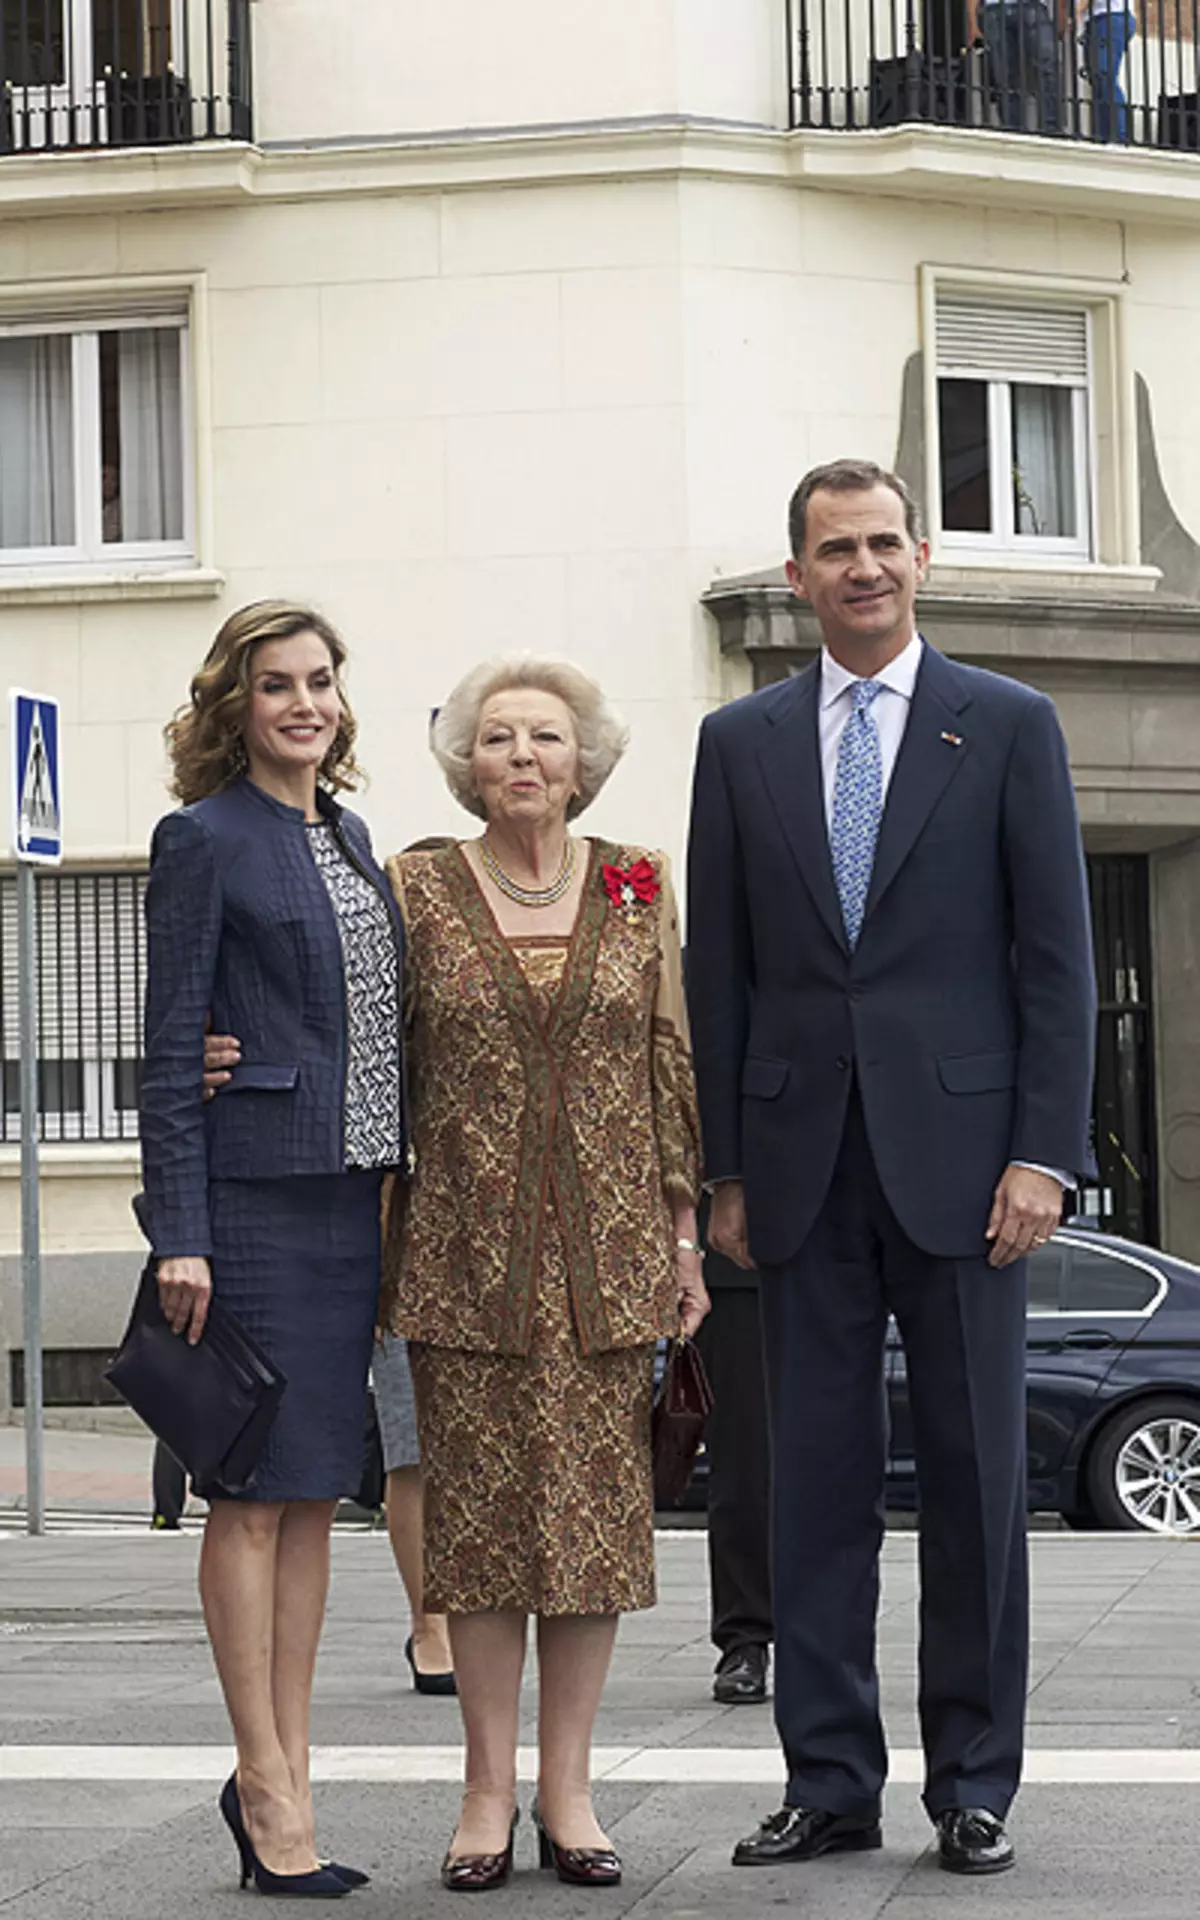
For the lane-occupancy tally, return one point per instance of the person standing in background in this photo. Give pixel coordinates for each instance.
(1106, 29)
(427, 1648)
(1021, 41)
(168, 1486)
(737, 1448)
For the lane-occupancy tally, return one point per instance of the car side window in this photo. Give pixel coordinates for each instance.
(1045, 1279)
(1098, 1282)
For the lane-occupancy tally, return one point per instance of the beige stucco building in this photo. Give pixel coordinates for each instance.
(495, 328)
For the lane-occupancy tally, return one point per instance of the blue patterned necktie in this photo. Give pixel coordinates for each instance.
(857, 807)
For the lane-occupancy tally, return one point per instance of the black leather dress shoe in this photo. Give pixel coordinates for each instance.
(801, 1833)
(741, 1677)
(972, 1840)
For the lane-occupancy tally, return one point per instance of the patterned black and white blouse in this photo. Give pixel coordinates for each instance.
(373, 1127)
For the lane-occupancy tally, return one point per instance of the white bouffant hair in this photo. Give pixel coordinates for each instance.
(601, 733)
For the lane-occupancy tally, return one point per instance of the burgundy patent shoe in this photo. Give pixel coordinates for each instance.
(479, 1872)
(577, 1866)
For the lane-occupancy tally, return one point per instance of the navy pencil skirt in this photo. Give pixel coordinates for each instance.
(297, 1261)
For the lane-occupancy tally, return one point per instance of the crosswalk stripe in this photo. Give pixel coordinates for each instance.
(668, 1766)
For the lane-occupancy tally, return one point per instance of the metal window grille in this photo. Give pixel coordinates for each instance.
(92, 967)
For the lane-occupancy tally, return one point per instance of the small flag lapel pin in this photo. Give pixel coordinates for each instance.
(953, 739)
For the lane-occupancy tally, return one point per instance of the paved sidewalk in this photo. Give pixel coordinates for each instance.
(112, 1740)
(86, 1472)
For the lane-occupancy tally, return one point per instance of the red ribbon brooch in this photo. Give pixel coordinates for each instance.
(625, 886)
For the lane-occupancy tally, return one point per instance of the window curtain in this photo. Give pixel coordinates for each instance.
(1043, 462)
(151, 426)
(37, 500)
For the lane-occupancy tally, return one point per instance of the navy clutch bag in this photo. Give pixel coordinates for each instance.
(212, 1404)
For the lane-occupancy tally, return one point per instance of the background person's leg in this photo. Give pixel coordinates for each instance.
(999, 25)
(405, 1504)
(739, 1470)
(1105, 40)
(168, 1484)
(1121, 29)
(1042, 72)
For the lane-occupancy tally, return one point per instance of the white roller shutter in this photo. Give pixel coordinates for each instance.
(997, 341)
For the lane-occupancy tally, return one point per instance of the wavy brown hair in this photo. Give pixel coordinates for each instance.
(205, 740)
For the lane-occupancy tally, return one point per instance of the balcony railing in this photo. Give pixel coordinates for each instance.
(123, 73)
(1071, 69)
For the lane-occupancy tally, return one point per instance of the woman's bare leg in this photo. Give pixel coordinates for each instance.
(405, 1518)
(301, 1586)
(489, 1656)
(237, 1589)
(574, 1655)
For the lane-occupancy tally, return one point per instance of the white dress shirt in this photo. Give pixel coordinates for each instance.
(889, 710)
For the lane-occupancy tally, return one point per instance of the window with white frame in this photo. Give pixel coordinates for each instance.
(1014, 428)
(93, 440)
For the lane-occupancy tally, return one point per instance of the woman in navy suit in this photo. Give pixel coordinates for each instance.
(265, 910)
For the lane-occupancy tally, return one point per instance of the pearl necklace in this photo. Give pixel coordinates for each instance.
(530, 896)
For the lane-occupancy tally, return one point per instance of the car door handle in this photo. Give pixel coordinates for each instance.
(1092, 1339)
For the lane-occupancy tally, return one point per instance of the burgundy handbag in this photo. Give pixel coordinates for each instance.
(678, 1419)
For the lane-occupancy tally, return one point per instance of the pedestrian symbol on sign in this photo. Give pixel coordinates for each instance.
(38, 815)
(37, 811)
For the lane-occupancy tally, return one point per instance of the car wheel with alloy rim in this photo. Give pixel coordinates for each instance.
(1144, 1472)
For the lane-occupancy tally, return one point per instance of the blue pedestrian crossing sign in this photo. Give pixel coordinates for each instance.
(37, 807)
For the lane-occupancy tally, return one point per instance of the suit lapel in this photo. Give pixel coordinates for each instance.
(790, 760)
(926, 764)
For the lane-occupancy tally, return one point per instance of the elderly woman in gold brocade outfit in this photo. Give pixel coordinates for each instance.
(547, 1238)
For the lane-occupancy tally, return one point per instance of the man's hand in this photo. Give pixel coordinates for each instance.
(221, 1052)
(727, 1223)
(184, 1291)
(1025, 1212)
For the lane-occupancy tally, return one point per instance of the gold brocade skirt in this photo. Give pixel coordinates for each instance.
(538, 1488)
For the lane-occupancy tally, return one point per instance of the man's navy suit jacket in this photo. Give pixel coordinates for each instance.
(240, 927)
(966, 1012)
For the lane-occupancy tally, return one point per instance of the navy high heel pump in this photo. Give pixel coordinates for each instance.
(325, 1883)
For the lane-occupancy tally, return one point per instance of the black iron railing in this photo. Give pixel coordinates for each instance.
(91, 946)
(1075, 69)
(123, 73)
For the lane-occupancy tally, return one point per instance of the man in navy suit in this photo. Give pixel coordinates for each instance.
(892, 1002)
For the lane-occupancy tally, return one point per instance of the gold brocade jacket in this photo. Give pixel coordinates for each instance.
(579, 1118)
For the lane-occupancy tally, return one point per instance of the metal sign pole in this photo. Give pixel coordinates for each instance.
(31, 1250)
(36, 841)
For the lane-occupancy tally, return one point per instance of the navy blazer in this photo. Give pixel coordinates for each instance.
(966, 1011)
(240, 926)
